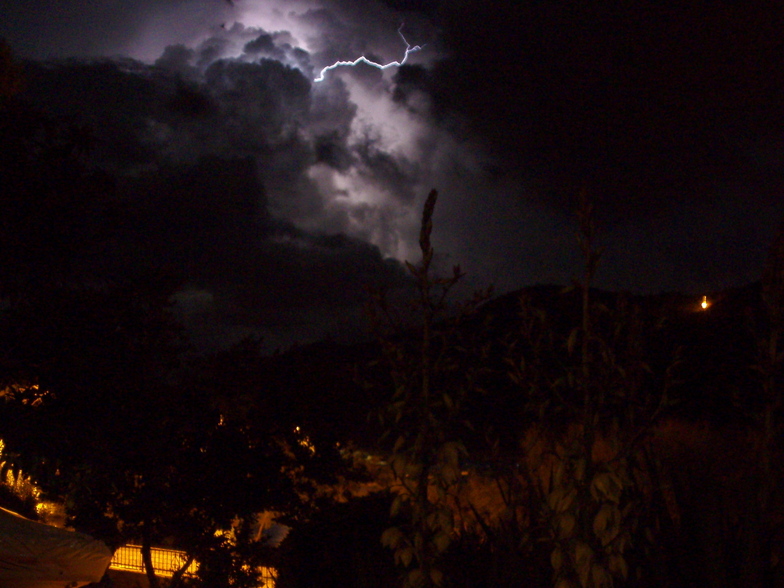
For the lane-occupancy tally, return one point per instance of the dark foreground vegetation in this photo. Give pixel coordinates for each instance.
(551, 437)
(564, 437)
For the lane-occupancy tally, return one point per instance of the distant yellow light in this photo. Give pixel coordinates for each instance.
(705, 304)
(304, 441)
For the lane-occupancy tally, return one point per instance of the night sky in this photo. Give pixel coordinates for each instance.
(280, 196)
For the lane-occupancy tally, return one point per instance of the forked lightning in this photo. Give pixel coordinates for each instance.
(363, 59)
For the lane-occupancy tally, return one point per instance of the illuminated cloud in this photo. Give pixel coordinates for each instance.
(339, 157)
(506, 141)
(355, 153)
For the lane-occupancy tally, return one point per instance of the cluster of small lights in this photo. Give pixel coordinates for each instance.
(304, 441)
(26, 393)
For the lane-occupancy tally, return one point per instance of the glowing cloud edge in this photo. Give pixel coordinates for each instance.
(363, 59)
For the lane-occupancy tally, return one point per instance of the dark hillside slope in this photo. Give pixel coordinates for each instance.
(704, 449)
(710, 354)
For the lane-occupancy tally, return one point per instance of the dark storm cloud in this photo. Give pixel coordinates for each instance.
(348, 29)
(245, 270)
(331, 150)
(177, 59)
(640, 103)
(264, 45)
(275, 200)
(332, 111)
(211, 50)
(198, 156)
(388, 172)
(262, 101)
(669, 118)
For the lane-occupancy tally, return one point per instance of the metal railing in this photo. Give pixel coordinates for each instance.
(167, 561)
(164, 561)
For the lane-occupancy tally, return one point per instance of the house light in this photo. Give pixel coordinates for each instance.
(704, 304)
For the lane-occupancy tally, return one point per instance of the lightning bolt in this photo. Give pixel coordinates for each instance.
(363, 59)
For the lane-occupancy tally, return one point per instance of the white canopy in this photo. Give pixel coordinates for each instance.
(34, 555)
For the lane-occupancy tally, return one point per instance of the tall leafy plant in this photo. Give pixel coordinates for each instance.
(588, 412)
(433, 369)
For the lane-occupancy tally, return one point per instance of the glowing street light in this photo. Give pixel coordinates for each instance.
(704, 304)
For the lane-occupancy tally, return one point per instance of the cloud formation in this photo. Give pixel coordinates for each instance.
(275, 199)
(507, 112)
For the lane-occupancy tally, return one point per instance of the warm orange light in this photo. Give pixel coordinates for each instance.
(166, 561)
(705, 304)
(305, 441)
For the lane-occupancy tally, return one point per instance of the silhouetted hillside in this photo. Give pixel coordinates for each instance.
(709, 354)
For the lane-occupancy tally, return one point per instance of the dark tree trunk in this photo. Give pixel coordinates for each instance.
(147, 558)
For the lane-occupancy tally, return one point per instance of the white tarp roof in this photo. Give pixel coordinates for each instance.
(34, 555)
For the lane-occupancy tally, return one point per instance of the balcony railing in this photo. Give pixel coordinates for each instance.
(167, 561)
(164, 561)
